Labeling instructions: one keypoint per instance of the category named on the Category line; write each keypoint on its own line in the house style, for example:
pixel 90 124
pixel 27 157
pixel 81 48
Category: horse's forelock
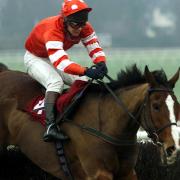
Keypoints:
pixel 160 77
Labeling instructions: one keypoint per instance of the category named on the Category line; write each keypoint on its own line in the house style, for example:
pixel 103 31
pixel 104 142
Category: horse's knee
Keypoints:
pixel 131 176
pixel 103 175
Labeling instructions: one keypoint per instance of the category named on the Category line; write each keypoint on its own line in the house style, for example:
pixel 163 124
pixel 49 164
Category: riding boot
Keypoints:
pixel 52 132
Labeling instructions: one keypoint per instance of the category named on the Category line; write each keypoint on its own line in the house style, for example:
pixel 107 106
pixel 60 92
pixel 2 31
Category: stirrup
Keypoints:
pixel 53 134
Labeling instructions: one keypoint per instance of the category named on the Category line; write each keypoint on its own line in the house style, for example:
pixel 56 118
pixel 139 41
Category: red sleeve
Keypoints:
pixel 58 57
pixel 91 42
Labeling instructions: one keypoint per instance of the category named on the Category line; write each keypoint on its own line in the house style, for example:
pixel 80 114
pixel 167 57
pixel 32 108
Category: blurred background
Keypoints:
pixel 139 31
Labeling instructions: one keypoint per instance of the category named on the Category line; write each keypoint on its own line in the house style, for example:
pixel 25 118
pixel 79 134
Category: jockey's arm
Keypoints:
pixel 91 42
pixel 60 60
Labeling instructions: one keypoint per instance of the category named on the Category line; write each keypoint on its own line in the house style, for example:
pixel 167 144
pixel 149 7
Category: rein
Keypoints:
pixel 151 131
pixel 118 100
pixel 105 137
pixel 93 131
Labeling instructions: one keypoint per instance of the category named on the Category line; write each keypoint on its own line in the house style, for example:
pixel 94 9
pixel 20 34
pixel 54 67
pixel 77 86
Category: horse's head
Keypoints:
pixel 162 111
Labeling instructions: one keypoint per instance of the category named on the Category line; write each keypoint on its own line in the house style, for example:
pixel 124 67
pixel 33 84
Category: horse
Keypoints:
pixel 3 67
pixel 102 130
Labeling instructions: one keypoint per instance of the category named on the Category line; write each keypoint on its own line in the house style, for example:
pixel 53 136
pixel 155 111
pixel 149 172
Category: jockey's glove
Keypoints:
pixel 102 66
pixel 96 72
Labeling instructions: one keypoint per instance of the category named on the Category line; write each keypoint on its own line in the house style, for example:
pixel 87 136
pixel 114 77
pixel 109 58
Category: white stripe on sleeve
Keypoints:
pixel 100 53
pixel 63 64
pixel 57 55
pixel 92 47
pixel 54 45
pixel 89 38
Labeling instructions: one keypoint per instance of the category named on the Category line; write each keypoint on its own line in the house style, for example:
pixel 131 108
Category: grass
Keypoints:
pixel 117 59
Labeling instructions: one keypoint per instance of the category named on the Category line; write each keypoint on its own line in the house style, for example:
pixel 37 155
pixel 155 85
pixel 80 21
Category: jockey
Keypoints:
pixel 47 62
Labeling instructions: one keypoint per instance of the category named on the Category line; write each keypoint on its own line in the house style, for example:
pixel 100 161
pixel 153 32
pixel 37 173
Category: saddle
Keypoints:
pixel 36 106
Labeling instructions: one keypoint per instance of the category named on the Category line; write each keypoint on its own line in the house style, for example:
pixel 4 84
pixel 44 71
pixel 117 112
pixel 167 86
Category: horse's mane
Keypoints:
pixel 132 75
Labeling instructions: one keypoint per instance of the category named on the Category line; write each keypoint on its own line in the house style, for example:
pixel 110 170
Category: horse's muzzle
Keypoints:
pixel 168 155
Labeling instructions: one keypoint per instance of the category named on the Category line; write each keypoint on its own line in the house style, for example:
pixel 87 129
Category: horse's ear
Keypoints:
pixel 174 79
pixel 149 77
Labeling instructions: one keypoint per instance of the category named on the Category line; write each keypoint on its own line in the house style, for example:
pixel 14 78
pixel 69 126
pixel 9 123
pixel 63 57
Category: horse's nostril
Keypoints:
pixel 170 150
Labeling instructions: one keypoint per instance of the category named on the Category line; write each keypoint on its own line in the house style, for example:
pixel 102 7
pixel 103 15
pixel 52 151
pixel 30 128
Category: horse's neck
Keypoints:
pixel 116 118
pixel 133 96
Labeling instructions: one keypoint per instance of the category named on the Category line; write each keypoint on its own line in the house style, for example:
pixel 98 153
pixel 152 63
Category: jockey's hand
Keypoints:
pixel 102 67
pixel 94 72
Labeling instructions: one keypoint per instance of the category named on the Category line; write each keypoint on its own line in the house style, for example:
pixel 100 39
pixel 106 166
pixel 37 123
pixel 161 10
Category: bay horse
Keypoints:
pixel 3 67
pixel 135 99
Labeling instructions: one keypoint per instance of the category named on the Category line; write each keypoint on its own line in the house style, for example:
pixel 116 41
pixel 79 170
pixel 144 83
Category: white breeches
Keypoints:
pixel 43 71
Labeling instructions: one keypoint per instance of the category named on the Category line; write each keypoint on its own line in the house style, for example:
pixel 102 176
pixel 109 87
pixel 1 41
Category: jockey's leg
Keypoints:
pixel 69 79
pixel 43 71
pixel 52 132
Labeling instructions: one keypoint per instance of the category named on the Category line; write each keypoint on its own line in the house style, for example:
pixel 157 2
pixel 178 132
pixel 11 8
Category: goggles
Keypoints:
pixel 76 25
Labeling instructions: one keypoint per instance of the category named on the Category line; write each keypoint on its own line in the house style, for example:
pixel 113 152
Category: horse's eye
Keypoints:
pixel 156 107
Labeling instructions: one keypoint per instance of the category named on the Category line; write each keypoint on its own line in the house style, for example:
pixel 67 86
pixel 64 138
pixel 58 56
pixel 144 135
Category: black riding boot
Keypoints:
pixel 52 132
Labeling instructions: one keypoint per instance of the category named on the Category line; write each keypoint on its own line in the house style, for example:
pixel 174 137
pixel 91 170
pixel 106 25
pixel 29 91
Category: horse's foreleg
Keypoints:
pixel 102 175
pixel 98 166
pixel 97 170
pixel 131 176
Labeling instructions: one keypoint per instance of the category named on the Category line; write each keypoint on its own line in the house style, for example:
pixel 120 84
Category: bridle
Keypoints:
pixel 148 125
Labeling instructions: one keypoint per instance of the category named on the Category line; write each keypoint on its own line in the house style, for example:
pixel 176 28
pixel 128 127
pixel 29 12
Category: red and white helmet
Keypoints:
pixel 72 6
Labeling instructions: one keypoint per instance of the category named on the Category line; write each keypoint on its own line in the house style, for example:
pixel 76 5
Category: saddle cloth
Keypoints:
pixel 36 106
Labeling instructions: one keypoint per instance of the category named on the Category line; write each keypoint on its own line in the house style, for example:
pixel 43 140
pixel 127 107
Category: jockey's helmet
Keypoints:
pixel 75 11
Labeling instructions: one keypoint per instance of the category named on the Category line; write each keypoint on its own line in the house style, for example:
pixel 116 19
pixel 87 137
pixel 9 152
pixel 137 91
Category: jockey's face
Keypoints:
pixel 74 28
